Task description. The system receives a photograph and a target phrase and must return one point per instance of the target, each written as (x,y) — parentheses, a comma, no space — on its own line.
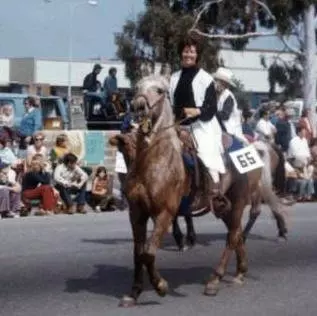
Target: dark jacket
(283,134)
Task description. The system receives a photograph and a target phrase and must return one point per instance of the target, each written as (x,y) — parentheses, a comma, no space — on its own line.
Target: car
(101,117)
(53,109)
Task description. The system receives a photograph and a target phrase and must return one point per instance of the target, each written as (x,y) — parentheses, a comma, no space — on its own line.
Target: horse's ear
(116,140)
(113,141)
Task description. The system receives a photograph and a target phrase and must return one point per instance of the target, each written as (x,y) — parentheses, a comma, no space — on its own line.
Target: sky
(35,28)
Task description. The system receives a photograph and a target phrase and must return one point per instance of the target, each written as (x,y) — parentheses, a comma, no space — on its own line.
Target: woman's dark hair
(304,113)
(60,139)
(187,42)
(263,113)
(246,114)
(101,169)
(112,70)
(69,158)
(3,141)
(32,102)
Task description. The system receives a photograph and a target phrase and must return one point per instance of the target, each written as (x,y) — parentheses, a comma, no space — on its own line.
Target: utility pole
(309,65)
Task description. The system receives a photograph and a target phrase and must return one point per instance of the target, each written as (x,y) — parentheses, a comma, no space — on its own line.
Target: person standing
(91,84)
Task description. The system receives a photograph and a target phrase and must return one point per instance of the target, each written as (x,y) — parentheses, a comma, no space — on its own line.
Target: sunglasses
(38,139)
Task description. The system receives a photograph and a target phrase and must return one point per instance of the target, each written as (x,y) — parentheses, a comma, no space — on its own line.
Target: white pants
(208,139)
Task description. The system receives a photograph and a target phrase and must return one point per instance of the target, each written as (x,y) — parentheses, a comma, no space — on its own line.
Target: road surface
(80,265)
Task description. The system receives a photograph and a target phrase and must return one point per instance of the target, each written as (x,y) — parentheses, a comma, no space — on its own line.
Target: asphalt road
(81,264)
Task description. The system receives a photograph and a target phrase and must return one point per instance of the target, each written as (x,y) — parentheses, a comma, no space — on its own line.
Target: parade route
(80,265)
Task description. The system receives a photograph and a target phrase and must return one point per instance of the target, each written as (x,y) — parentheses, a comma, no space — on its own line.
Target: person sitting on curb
(10,196)
(71,179)
(36,185)
(101,199)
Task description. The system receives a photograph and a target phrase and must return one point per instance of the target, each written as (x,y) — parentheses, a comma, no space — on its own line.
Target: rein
(156,103)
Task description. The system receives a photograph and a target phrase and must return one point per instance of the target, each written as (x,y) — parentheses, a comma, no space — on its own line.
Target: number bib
(246,159)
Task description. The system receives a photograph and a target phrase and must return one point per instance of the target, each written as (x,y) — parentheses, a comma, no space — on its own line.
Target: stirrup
(221,205)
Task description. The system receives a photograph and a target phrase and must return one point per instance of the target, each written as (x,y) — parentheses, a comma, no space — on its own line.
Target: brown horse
(126,144)
(157,181)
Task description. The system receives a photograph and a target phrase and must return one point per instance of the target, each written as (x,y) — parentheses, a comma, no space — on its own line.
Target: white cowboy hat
(224,74)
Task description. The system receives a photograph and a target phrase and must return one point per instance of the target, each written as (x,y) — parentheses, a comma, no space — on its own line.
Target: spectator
(91,83)
(246,126)
(264,127)
(36,185)
(37,148)
(60,149)
(10,192)
(71,179)
(299,151)
(6,154)
(305,123)
(306,183)
(283,130)
(101,200)
(30,123)
(6,116)
(110,85)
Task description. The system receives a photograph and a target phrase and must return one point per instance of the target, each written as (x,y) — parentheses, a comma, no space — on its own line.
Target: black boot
(221,204)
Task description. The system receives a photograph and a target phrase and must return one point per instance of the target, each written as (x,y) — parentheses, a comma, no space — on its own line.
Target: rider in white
(228,111)
(193,95)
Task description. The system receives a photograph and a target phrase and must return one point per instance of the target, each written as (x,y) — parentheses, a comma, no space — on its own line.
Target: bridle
(147,121)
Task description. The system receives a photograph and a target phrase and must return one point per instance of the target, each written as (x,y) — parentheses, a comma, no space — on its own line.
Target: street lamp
(72,8)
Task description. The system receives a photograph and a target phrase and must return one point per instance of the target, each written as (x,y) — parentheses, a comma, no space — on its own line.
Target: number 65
(246,159)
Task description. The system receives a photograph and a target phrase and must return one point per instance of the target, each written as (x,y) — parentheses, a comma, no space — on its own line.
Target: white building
(4,71)
(245,65)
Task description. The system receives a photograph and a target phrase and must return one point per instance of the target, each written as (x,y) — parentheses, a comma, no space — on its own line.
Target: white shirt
(31,151)
(299,149)
(265,127)
(67,177)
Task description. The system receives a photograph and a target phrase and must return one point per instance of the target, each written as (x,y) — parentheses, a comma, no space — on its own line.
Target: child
(60,150)
(100,197)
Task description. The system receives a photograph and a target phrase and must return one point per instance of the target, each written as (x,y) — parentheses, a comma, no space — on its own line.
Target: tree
(280,18)
(154,38)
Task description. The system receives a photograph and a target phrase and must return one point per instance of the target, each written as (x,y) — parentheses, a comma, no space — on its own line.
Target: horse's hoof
(183,248)
(239,280)
(127,301)
(191,241)
(282,239)
(211,289)
(162,288)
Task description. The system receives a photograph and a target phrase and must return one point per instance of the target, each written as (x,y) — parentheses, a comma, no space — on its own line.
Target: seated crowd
(54,181)
(300,149)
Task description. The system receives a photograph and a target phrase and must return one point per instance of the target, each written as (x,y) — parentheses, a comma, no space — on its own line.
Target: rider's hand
(191,112)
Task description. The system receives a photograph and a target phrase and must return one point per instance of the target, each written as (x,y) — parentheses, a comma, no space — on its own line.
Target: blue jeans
(66,194)
(306,187)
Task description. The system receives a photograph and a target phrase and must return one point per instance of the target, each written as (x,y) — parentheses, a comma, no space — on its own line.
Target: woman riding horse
(193,96)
